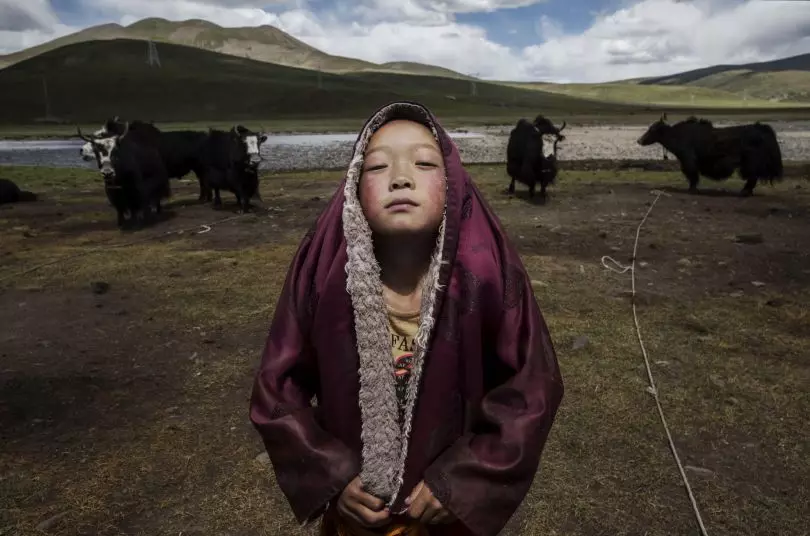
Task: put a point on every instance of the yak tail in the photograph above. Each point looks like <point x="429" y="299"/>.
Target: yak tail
<point x="27" y="196"/>
<point x="773" y="168"/>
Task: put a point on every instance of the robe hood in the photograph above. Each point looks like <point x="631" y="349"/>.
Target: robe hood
<point x="484" y="386"/>
<point x="385" y="444"/>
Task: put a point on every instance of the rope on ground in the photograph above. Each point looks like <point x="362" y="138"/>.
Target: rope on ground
<point x="652" y="389"/>
<point x="205" y="227"/>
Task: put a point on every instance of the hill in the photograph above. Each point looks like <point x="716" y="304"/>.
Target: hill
<point x="89" y="81"/>
<point x="262" y="43"/>
<point x="786" y="79"/>
<point x="661" y="95"/>
<point x="410" y="67"/>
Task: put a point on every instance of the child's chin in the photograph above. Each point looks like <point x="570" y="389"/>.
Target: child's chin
<point x="405" y="229"/>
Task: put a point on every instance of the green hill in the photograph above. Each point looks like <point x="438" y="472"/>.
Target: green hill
<point x="786" y="79"/>
<point x="263" y="43"/>
<point x="752" y="85"/>
<point x="89" y="81"/>
<point x="661" y="95"/>
<point x="410" y="67"/>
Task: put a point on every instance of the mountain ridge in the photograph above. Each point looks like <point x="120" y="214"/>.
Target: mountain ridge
<point x="263" y="43"/>
<point x="782" y="80"/>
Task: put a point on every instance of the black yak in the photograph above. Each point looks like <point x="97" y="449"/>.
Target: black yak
<point x="531" y="154"/>
<point x="703" y="149"/>
<point x="179" y="149"/>
<point x="11" y="193"/>
<point x="135" y="178"/>
<point x="232" y="161"/>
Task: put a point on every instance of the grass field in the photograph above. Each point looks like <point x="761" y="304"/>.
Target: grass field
<point x="125" y="411"/>
<point x="91" y="81"/>
<point x="86" y="83"/>
<point x="353" y="125"/>
<point x="668" y="95"/>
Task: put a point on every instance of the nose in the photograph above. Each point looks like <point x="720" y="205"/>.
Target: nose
<point x="401" y="182"/>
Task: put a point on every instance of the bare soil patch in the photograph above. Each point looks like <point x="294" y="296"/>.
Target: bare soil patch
<point x="123" y="407"/>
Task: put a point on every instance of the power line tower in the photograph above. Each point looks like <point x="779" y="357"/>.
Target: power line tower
<point x="152" y="57"/>
<point x="473" y="85"/>
<point x="47" y="99"/>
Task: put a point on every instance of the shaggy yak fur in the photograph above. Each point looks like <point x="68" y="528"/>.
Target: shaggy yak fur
<point x="11" y="193"/>
<point x="531" y="159"/>
<point x="703" y="149"/>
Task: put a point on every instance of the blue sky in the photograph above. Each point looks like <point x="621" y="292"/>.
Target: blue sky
<point x="551" y="40"/>
<point x="73" y="12"/>
<point x="519" y="27"/>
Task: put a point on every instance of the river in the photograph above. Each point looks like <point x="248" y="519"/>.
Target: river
<point x="279" y="152"/>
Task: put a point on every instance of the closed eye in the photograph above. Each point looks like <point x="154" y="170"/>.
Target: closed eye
<point x="426" y="164"/>
<point x="377" y="167"/>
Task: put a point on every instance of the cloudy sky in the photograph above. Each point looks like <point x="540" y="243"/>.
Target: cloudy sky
<point x="554" y="40"/>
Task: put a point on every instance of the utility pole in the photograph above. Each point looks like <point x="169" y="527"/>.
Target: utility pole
<point x="473" y="86"/>
<point x="47" y="100"/>
<point x="152" y="57"/>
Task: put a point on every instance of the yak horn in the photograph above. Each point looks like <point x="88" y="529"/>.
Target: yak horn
<point x="82" y="136"/>
<point x="562" y="127"/>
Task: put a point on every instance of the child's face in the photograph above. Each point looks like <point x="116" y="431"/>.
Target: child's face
<point x="402" y="186"/>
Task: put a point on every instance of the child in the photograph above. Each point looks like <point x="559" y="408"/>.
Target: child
<point x="408" y="314"/>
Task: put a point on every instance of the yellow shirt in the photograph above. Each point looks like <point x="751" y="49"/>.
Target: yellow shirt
<point x="403" y="327"/>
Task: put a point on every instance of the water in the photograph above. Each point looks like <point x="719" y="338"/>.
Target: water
<point x="280" y="151"/>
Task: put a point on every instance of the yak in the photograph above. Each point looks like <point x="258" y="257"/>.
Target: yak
<point x="180" y="150"/>
<point x="716" y="152"/>
<point x="135" y="178"/>
<point x="11" y="193"/>
<point x="531" y="154"/>
<point x="232" y="162"/>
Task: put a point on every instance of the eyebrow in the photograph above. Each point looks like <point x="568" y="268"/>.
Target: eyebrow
<point x="414" y="146"/>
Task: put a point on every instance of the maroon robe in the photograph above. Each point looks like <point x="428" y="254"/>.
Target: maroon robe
<point x="485" y="384"/>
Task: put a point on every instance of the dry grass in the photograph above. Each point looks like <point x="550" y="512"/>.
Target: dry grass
<point x="127" y="411"/>
<point x="703" y="95"/>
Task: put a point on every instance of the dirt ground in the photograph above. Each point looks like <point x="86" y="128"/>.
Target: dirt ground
<point x="125" y="369"/>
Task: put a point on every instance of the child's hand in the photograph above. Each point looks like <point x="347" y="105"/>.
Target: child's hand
<point x="425" y="507"/>
<point x="361" y="507"/>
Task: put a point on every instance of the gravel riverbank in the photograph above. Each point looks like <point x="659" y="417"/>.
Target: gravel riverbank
<point x="581" y="143"/>
<point x="476" y="144"/>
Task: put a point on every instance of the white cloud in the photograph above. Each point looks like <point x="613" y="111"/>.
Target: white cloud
<point x="456" y="46"/>
<point x="29" y="23"/>
<point x="640" y="38"/>
<point x="658" y="37"/>
<point x="430" y="12"/>
<point x="28" y="15"/>
<point x="547" y="28"/>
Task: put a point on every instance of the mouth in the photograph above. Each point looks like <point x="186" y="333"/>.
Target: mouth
<point x="401" y="203"/>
